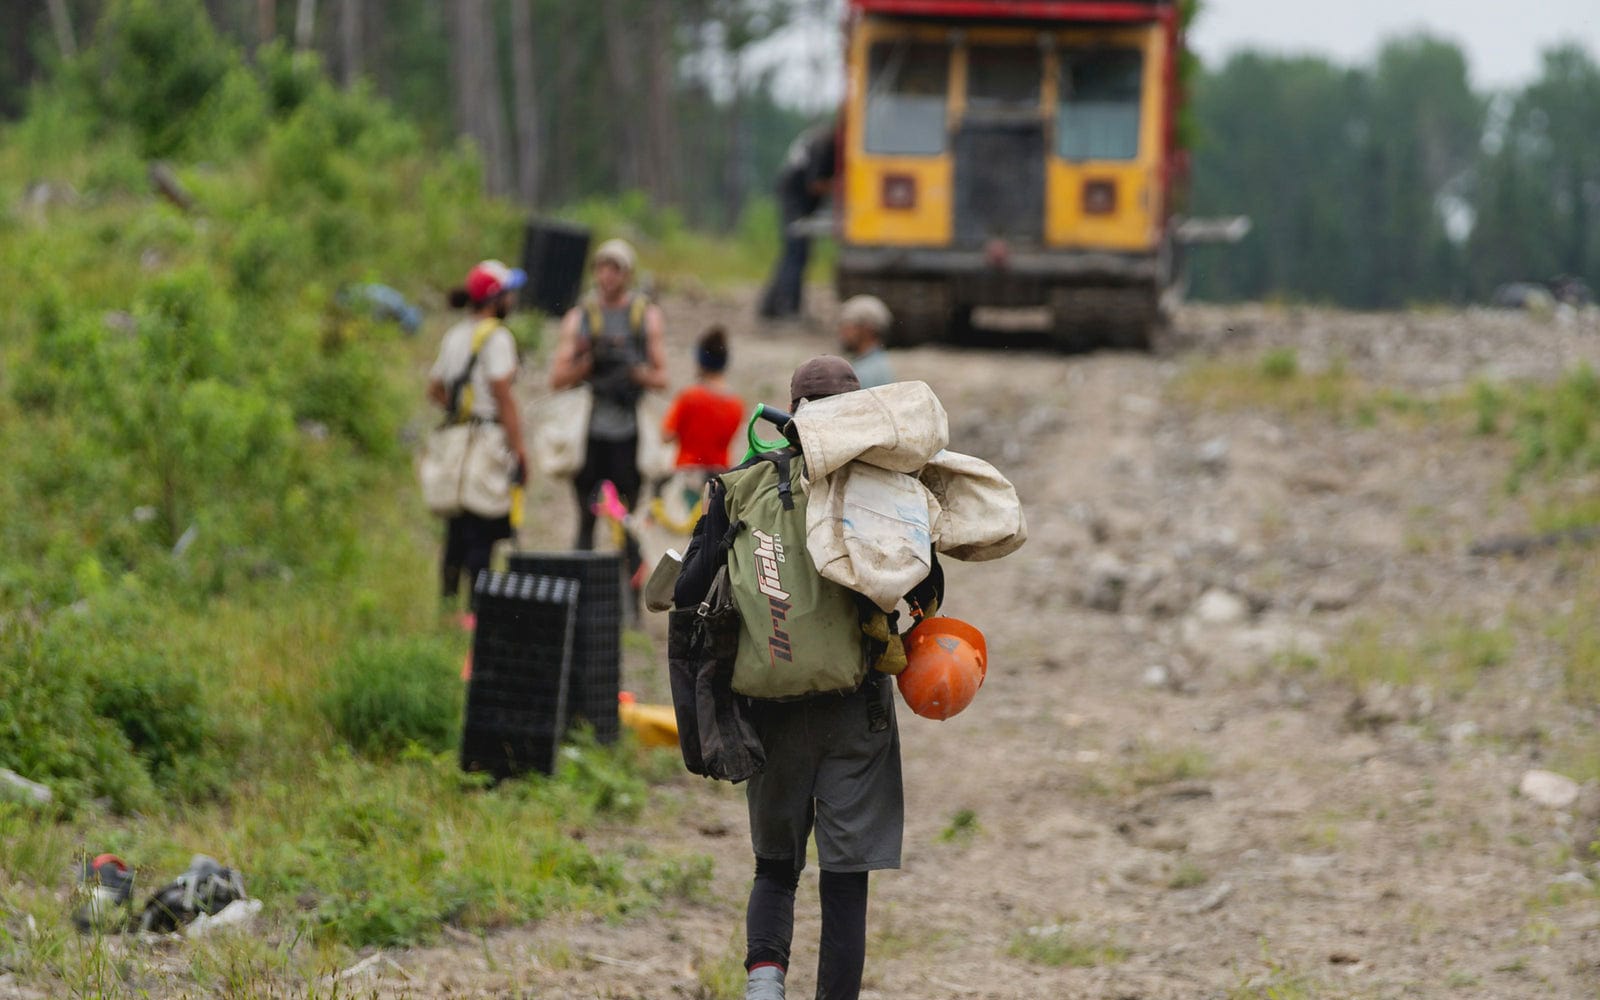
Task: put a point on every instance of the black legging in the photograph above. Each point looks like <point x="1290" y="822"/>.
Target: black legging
<point x="617" y="461"/>
<point x="468" y="542"/>
<point x="769" y="925"/>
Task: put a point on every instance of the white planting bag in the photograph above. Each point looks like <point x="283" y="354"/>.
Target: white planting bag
<point x="978" y="515"/>
<point x="560" y="425"/>
<point x="869" y="529"/>
<point x="898" y="426"/>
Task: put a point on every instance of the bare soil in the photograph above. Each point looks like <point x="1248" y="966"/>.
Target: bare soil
<point x="1154" y="795"/>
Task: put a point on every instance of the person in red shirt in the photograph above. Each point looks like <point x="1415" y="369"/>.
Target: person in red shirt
<point x="706" y="416"/>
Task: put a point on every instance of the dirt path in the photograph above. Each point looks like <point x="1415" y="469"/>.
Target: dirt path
<point x="1152" y="797"/>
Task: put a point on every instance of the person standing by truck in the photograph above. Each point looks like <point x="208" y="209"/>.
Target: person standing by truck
<point x="615" y="342"/>
<point x="807" y="174"/>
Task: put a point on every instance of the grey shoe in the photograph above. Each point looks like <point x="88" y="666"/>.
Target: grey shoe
<point x="765" y="983"/>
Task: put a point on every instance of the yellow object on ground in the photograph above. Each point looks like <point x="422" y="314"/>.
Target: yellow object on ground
<point x="654" y="725"/>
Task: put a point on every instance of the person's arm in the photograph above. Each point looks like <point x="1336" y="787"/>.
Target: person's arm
<point x="438" y="393"/>
<point x="571" y="363"/>
<point x="653" y="373"/>
<point x="510" y="419"/>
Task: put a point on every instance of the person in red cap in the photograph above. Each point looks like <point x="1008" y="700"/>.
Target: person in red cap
<point x="471" y="380"/>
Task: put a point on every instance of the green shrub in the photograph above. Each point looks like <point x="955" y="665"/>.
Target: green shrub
<point x="49" y="730"/>
<point x="157" y="706"/>
<point x="153" y="64"/>
<point x="384" y="695"/>
<point x="1557" y="428"/>
<point x="1280" y="364"/>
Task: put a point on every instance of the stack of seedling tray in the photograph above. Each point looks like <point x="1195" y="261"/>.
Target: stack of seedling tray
<point x="597" y="639"/>
<point x="521" y="673"/>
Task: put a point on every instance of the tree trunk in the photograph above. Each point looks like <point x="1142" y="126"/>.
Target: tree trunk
<point x="570" y="63"/>
<point x="660" y="106"/>
<point x="480" y="106"/>
<point x="622" y="62"/>
<point x="61" y="21"/>
<point x="350" y="28"/>
<point x="733" y="179"/>
<point x="526" y="94"/>
<point x="266" y="21"/>
<point x="305" y="24"/>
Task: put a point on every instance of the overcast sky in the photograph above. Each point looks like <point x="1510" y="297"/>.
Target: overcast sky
<point x="1502" y="38"/>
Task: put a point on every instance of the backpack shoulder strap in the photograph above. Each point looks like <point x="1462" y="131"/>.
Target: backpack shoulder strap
<point x="636" y="313"/>
<point x="461" y="388"/>
<point x="781" y="460"/>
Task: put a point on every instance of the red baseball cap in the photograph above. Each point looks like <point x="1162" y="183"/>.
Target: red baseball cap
<point x="490" y="277"/>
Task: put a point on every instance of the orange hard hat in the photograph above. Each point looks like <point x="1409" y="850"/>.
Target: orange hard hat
<point x="946" y="660"/>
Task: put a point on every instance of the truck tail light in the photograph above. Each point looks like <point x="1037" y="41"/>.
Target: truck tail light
<point x="899" y="191"/>
<point x="1099" y="197"/>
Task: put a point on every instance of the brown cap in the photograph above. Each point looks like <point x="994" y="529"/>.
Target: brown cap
<point x="821" y="376"/>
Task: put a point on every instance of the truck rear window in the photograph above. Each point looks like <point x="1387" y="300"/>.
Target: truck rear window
<point x="907" y="84"/>
<point x="1098" y="114"/>
<point x="1003" y="78"/>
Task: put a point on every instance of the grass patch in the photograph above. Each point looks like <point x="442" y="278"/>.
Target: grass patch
<point x="1577" y="757"/>
<point x="1451" y="656"/>
<point x="686" y="879"/>
<point x="962" y="828"/>
<point x="1556" y="427"/>
<point x="385" y="694"/>
<point x="722" y="976"/>
<point x="1158" y="765"/>
<point x="1276" y="981"/>
<point x="892" y="935"/>
<point x="1058" y="946"/>
<point x="1188" y="875"/>
<point x="1577" y="638"/>
<point x="1275" y="381"/>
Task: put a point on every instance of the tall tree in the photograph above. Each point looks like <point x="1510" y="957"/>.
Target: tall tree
<point x="1425" y="126"/>
<point x="622" y="63"/>
<point x="479" y="98"/>
<point x="661" y="102"/>
<point x="1538" y="192"/>
<point x="530" y="149"/>
<point x="352" y="26"/>
<point x="305" y="24"/>
<point x="61" y="22"/>
<point x="266" y="21"/>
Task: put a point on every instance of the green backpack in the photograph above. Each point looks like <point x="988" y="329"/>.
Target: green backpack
<point x="800" y="634"/>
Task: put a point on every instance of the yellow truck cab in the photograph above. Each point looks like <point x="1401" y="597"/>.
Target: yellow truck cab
<point x="1010" y="153"/>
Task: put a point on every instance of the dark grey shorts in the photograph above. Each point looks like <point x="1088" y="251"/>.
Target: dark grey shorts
<point x="827" y="769"/>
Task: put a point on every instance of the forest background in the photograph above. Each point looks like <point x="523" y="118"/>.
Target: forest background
<point x="1370" y="186"/>
<point x="218" y="622"/>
